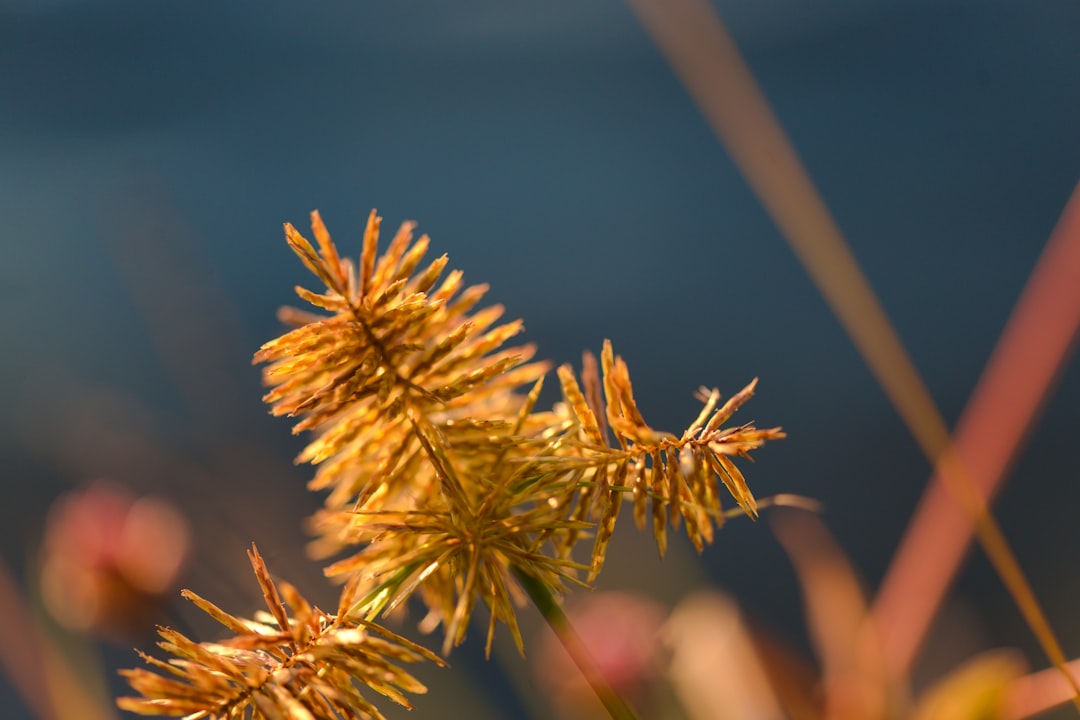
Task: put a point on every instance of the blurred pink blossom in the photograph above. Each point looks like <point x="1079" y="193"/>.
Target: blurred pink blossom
<point x="110" y="559"/>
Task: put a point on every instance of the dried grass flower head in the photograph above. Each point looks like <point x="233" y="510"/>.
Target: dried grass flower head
<point x="440" y="472"/>
<point x="396" y="342"/>
<point x="673" y="478"/>
<point x="304" y="664"/>
<point x="416" y="404"/>
<point x="442" y="481"/>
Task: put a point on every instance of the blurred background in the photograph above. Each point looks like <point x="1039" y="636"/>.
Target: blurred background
<point x="149" y="153"/>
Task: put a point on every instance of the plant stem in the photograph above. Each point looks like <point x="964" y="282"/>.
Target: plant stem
<point x="553" y="613"/>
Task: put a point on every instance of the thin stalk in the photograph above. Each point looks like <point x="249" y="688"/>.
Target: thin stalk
<point x="703" y="54"/>
<point x="553" y="613"/>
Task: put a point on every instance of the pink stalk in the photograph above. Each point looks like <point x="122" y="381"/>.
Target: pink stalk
<point x="20" y="651"/>
<point x="702" y="53"/>
<point x="1036" y="693"/>
<point x="44" y="678"/>
<point x="1013" y="388"/>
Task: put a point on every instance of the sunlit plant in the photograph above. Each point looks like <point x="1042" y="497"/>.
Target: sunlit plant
<point x="443" y="482"/>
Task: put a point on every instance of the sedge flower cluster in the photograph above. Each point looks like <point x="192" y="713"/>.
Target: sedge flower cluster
<point x="442" y="479"/>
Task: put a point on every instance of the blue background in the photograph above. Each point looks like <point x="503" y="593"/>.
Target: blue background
<point x="150" y="151"/>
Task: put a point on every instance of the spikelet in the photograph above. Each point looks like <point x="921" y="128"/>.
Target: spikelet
<point x="310" y="665"/>
<point x="396" y="341"/>
<point x="670" y="479"/>
<point x="419" y="418"/>
<point x="466" y="551"/>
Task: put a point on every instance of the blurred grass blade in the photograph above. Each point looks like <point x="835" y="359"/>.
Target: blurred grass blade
<point x="1034" y="694"/>
<point x="1012" y="390"/>
<point x="692" y="37"/>
<point x="853" y="681"/>
<point x="715" y="669"/>
<point x="20" y="652"/>
<point x="40" y="671"/>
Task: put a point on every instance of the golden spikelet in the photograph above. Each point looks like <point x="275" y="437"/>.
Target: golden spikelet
<point x="393" y="342"/>
<point x="465" y="551"/>
<point x="417" y="410"/>
<point x="674" y="476"/>
<point x="309" y="665"/>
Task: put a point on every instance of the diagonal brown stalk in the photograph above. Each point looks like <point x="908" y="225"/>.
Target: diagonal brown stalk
<point x="1018" y="378"/>
<point x="693" y="39"/>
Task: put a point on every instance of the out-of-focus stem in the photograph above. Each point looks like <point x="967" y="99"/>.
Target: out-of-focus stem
<point x="1039" y="692"/>
<point x="553" y="613"/>
<point x="1005" y="405"/>
<point x="38" y="669"/>
<point x="693" y="39"/>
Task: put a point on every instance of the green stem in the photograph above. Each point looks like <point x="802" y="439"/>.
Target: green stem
<point x="551" y="610"/>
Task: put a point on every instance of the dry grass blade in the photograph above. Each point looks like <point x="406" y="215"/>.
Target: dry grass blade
<point x="715" y="669"/>
<point x="977" y="689"/>
<point x="1029" y="356"/>
<point x="699" y="48"/>
<point x="853" y="672"/>
<point x="1034" y="694"/>
<point x="39" y="671"/>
